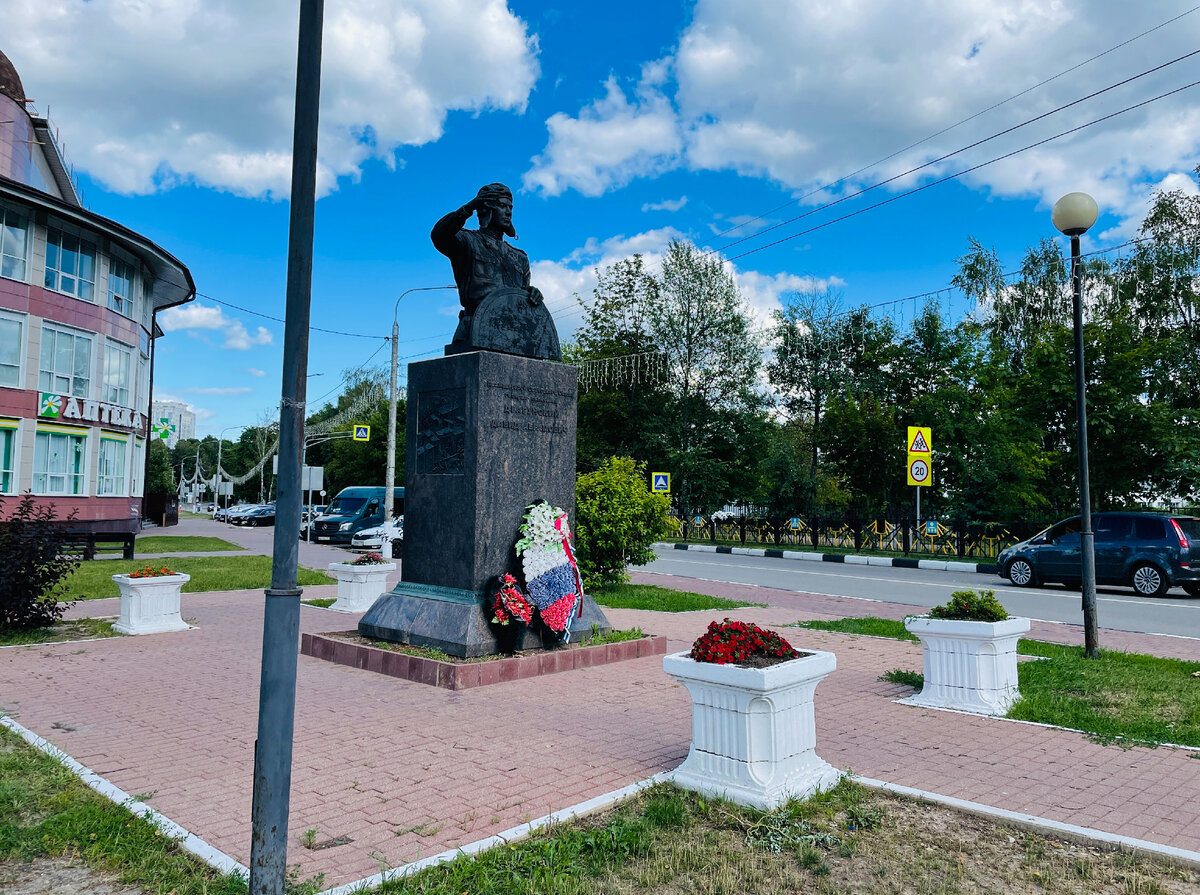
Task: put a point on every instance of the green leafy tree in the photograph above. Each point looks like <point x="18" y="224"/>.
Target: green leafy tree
<point x="159" y="478"/>
<point x="617" y="519"/>
<point x="702" y="326"/>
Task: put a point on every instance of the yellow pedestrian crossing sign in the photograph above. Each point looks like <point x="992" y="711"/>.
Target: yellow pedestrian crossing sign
<point x="660" y="482"/>
<point x="362" y="433"/>
<point x="920" y="440"/>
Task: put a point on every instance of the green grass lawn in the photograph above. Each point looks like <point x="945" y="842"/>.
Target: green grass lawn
<point x="46" y="811"/>
<point x="662" y="599"/>
<point x="1131" y="696"/>
<point x="180" y="544"/>
<point x="93" y="580"/>
<point x="870" y="625"/>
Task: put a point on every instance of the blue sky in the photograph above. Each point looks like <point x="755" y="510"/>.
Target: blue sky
<point x="619" y="126"/>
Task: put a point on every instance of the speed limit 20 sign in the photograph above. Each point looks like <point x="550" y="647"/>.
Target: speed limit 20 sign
<point x="919" y="471"/>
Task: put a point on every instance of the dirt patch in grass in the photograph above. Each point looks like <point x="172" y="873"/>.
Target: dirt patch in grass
<point x="62" y="632"/>
<point x="59" y="876"/>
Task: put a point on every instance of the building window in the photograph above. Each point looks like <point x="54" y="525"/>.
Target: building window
<point x="66" y="363"/>
<point x="135" y="471"/>
<point x="120" y="286"/>
<point x="58" y="463"/>
<point x="111" y="482"/>
<point x="116" y="375"/>
<point x="14" y="244"/>
<point x="12" y="348"/>
<point x="70" y="264"/>
<point x="8" y="457"/>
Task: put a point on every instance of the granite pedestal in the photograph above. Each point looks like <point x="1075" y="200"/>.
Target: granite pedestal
<point x="488" y="434"/>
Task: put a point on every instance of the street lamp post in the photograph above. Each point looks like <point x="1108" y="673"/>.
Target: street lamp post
<point x="221" y="444"/>
<point x="1073" y="214"/>
<point x="389" y="480"/>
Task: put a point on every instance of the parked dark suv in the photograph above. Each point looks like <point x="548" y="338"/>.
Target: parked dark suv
<point x="1145" y="551"/>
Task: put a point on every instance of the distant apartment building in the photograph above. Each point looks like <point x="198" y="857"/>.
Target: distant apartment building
<point x="180" y="421"/>
<point x="78" y="295"/>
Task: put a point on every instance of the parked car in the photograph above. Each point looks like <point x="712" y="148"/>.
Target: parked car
<point x="1149" y="552"/>
<point x="351" y="511"/>
<point x="372" y="538"/>
<point x="226" y="514"/>
<point x="262" y="515"/>
<point x="237" y="514"/>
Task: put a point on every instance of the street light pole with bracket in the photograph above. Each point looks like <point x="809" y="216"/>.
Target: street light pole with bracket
<point x="389" y="481"/>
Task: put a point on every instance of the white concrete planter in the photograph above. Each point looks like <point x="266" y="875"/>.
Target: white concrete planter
<point x="359" y="586"/>
<point x="150" y="605"/>
<point x="969" y="666"/>
<point x="753" y="732"/>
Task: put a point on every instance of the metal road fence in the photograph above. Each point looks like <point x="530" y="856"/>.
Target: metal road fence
<point x="982" y="540"/>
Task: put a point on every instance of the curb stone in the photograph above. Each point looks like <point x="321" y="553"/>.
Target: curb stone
<point x="896" y="562"/>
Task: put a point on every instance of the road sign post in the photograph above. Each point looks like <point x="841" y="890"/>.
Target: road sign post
<point x="920" y="460"/>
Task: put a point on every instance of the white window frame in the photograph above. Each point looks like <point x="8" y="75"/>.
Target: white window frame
<point x="10" y="217"/>
<point x="83" y="288"/>
<point x="137" y="467"/>
<point x="123" y="304"/>
<point x="22" y="322"/>
<point x="120" y="351"/>
<point x="10" y="430"/>
<point x="76" y="440"/>
<point x="55" y="374"/>
<point x="110" y="483"/>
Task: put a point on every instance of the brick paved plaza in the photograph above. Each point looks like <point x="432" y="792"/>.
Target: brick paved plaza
<point x="404" y="770"/>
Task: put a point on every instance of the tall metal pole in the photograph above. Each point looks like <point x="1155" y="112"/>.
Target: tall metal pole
<point x="389" y="480"/>
<point x="281" y="622"/>
<point x="1091" y="637"/>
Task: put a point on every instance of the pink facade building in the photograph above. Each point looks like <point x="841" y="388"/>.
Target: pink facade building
<point x="78" y="298"/>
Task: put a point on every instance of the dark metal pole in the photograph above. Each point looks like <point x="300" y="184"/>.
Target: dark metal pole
<point x="281" y="623"/>
<point x="1091" y="637"/>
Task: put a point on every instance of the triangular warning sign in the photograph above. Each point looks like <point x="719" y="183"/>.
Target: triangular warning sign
<point x="919" y="445"/>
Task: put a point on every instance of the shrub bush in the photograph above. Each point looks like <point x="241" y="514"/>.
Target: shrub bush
<point x="33" y="567"/>
<point x="966" y="605"/>
<point x="617" y="518"/>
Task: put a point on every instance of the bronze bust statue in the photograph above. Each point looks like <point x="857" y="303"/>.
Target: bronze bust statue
<point x="501" y="310"/>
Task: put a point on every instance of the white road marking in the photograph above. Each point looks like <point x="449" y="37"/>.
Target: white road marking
<point x="1059" y="595"/>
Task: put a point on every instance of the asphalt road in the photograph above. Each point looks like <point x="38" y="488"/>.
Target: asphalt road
<point x="1116" y="607"/>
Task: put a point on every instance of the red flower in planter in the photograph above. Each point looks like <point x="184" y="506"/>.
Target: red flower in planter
<point x="732" y="643"/>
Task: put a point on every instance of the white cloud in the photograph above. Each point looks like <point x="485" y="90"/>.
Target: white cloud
<point x="229" y="391"/>
<point x="665" y="205"/>
<point x="255" y="372"/>
<point x="804" y="93"/>
<point x="196" y="316"/>
<point x="609" y="144"/>
<point x="207" y="88"/>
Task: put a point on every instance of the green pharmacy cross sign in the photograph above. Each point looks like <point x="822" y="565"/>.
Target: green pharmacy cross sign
<point x="164" y="429"/>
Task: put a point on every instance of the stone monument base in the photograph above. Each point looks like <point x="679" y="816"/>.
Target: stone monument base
<point x="458" y="622"/>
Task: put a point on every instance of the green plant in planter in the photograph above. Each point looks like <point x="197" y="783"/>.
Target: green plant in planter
<point x="967" y="605"/>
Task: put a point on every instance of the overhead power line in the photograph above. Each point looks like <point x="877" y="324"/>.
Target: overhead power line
<point x="957" y="124"/>
<point x="965" y="171"/>
<point x="318" y="329"/>
<point x="961" y="150"/>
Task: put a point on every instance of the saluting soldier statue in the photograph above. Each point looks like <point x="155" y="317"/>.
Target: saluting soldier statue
<point x="501" y="310"/>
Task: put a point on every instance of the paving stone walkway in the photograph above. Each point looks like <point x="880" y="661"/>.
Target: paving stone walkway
<point x="403" y="770"/>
